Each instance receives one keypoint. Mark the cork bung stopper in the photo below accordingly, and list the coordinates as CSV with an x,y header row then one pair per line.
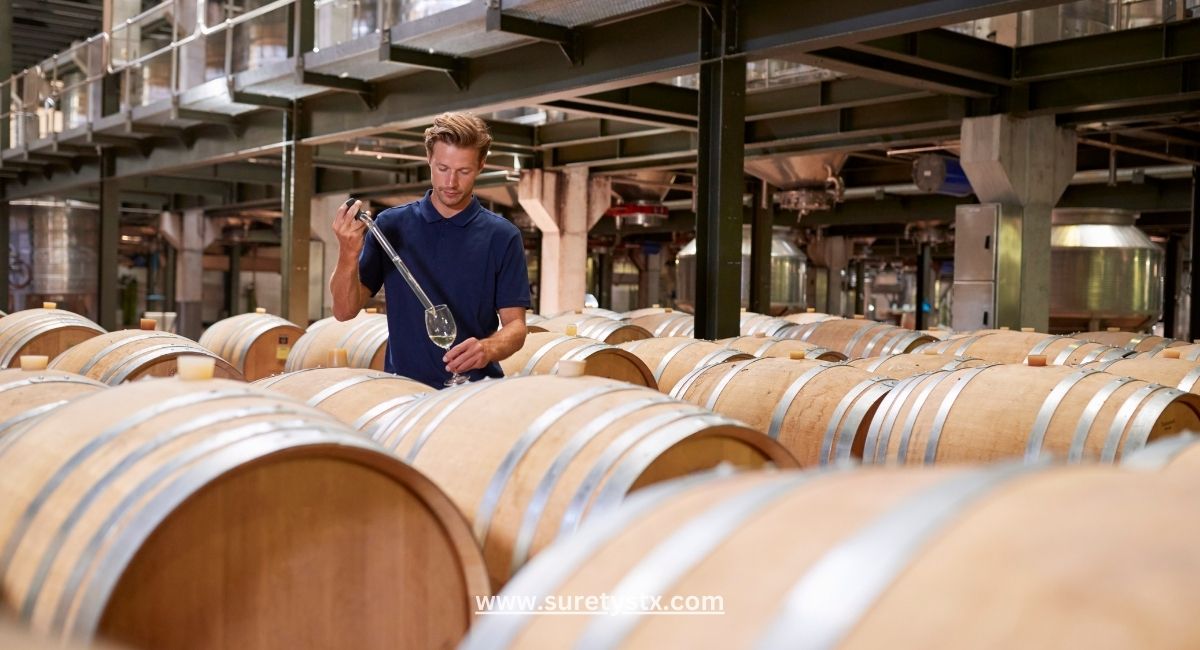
x,y
260,310
49,305
1036,360
570,368
1027,329
1170,354
1112,329
194,367
572,330
796,355
337,358
34,361
148,324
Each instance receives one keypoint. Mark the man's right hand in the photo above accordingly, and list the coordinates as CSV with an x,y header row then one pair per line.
x,y
348,229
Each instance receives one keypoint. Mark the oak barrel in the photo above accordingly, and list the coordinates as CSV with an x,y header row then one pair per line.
x,y
543,350
1014,411
26,394
752,324
129,355
528,458
997,346
600,328
860,337
765,346
672,358
257,344
364,337
900,366
198,514
1131,341
997,557
811,316
42,331
1184,375
667,323
359,397
818,410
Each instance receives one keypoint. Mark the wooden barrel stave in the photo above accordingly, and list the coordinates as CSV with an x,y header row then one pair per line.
x,y
819,411
1077,414
671,359
256,344
565,448
129,355
42,331
888,542
191,462
359,397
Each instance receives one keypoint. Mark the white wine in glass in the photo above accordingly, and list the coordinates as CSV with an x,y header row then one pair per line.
x,y
439,324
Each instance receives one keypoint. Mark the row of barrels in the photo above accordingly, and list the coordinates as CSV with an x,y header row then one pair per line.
x,y
351,481
265,499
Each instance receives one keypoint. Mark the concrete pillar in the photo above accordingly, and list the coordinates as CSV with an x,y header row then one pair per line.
x,y
323,210
1023,164
564,206
110,237
650,278
189,233
299,176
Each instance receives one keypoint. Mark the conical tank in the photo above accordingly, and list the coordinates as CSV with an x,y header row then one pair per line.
x,y
1104,272
788,266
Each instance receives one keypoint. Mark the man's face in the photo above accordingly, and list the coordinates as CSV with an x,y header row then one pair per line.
x,y
454,170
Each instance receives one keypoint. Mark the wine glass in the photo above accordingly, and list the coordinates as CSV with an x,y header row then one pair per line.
x,y
439,324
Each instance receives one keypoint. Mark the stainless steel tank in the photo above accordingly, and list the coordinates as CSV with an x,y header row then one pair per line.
x,y
56,251
788,266
1104,272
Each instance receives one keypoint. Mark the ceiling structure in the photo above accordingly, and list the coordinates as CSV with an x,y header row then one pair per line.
x,y
882,79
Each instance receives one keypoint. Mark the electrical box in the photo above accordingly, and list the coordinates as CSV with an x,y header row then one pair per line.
x,y
987,267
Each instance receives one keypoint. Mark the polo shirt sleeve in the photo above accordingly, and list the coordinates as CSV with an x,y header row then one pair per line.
x,y
512,278
371,261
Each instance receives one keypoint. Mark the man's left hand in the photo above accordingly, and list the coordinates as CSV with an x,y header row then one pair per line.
x,y
468,355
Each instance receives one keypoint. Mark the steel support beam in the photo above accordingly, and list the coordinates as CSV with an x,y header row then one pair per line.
x,y
947,51
762,224
1194,303
565,38
1169,42
1171,286
1109,89
719,162
110,238
923,267
298,180
233,299
900,73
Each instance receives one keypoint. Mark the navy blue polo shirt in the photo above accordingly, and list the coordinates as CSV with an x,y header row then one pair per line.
x,y
474,262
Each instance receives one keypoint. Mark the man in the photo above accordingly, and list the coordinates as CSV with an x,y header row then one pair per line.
x,y
462,255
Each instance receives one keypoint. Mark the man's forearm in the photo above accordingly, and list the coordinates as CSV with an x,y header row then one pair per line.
x,y
505,342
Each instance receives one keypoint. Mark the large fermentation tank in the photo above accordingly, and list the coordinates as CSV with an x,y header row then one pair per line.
x,y
788,266
60,252
1104,272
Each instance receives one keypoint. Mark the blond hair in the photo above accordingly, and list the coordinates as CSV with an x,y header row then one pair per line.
x,y
460,130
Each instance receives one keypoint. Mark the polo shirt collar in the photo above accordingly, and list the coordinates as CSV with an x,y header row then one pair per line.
x,y
462,219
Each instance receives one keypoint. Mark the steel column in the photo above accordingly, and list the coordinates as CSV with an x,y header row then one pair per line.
x,y
110,236
4,244
923,264
719,166
1193,303
860,281
233,300
760,249
1170,286
298,179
